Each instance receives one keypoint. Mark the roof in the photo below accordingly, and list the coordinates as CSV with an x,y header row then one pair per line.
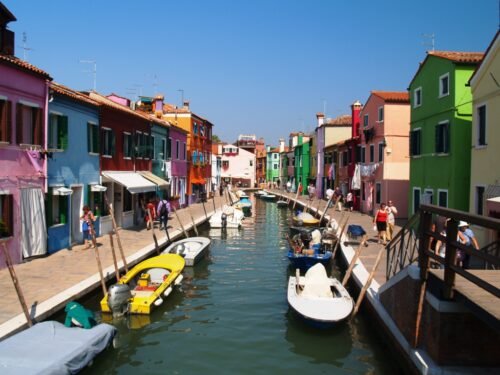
x,y
393,96
486,56
467,58
111,104
342,120
66,91
7,14
24,65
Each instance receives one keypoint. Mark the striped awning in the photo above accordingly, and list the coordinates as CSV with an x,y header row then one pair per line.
x,y
160,182
133,181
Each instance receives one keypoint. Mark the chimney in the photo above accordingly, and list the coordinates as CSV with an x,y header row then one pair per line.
x,y
321,118
185,105
6,36
158,106
282,144
355,110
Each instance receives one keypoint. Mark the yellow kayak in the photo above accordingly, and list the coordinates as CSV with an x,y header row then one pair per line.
x,y
143,286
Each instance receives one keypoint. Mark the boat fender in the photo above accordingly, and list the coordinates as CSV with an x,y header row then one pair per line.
x,y
167,291
223,220
178,280
158,302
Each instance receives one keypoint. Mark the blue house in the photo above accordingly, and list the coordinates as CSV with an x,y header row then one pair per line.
x,y
73,166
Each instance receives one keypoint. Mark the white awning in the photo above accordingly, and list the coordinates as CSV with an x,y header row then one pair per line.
x,y
62,191
97,187
134,182
162,184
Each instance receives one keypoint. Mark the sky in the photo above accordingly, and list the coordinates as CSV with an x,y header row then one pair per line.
x,y
262,67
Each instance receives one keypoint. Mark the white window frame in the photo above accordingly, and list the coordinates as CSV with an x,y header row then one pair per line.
x,y
132,150
110,131
441,86
431,191
380,114
417,104
447,197
413,198
478,124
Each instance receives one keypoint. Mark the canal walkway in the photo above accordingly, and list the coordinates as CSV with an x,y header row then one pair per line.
x,y
49,283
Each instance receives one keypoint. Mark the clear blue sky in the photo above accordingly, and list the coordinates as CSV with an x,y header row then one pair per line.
x,y
261,67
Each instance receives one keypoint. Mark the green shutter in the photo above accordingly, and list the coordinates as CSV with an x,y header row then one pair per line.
x,y
62,133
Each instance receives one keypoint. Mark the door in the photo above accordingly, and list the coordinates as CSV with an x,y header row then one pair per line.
x,y
76,210
33,224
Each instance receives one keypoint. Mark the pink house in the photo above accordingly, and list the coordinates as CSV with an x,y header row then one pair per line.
x,y
23,121
384,154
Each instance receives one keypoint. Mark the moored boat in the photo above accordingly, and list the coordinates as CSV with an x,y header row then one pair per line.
x,y
305,219
282,203
321,300
227,217
303,257
191,249
144,285
268,197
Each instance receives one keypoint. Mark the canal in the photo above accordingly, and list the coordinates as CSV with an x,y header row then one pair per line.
x,y
231,316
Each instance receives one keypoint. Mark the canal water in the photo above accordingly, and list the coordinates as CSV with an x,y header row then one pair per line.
x,y
231,316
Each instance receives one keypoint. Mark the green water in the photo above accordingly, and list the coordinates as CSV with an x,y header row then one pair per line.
x,y
230,316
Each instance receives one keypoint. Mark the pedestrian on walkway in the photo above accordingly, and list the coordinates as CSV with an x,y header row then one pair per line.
x,y
392,211
470,241
163,211
311,190
150,214
87,222
338,197
349,201
288,186
380,220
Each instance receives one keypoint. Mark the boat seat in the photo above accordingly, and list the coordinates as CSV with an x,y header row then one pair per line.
x,y
157,275
317,283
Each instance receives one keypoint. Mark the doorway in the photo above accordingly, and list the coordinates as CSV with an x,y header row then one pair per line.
x,y
76,208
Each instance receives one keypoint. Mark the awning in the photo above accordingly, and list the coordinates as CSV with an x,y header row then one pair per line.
x,y
162,184
198,181
493,204
492,191
62,191
134,182
97,187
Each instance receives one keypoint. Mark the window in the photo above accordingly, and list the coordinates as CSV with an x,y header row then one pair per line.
x,y
442,138
6,215
108,142
417,97
363,154
163,149
416,199
58,132
358,154
251,163
344,158
428,197
479,199
415,142
150,146
372,153
139,144
275,156
275,166
378,192
444,85
128,146
195,128
184,156
177,150
57,208
481,126
349,153
365,121
442,198
153,147
127,200
225,164
5,120
381,152
92,138
169,148
29,125
380,114
363,191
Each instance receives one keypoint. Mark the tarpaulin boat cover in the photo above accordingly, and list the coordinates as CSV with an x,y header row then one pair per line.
x,y
51,348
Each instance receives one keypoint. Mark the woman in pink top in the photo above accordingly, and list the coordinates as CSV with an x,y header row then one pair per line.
x,y
380,220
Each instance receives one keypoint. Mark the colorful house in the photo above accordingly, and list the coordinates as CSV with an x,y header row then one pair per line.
x,y
302,157
440,134
237,166
73,173
23,120
260,172
272,164
177,165
384,164
484,193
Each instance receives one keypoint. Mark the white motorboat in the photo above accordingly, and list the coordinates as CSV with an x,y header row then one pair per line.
x,y
228,217
191,249
321,300
282,203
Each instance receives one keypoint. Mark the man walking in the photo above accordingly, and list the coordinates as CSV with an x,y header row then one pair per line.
x,y
163,210
391,219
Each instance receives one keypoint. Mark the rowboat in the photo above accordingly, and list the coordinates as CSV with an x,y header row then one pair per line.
x,y
227,217
282,203
143,286
303,260
268,197
321,300
191,249
305,219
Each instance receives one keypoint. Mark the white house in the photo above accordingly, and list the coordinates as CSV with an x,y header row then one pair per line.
x,y
238,166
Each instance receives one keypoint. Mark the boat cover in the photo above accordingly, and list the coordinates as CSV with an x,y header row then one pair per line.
x,y
51,348
317,283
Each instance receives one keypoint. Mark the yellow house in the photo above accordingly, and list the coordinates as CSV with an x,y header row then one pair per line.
x,y
485,155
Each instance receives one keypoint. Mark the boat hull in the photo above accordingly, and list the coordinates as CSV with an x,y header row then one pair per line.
x,y
304,262
191,249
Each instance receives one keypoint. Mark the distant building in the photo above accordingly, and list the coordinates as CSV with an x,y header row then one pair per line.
x,y
238,166
247,142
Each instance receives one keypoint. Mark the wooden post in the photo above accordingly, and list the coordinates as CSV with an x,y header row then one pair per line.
x,y
117,273
194,224
115,228
153,231
157,248
17,286
97,258
326,209
450,258
213,201
339,238
204,209
353,261
296,195
368,281
180,222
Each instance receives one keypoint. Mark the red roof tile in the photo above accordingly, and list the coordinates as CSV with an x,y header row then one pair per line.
x,y
343,120
393,96
66,91
24,65
460,57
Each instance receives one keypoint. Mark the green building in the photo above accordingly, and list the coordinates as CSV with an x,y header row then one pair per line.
x,y
272,164
440,130
302,154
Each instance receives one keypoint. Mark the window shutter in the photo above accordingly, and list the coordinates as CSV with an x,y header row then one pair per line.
x,y
19,123
436,139
446,138
89,138
52,123
96,140
62,133
38,130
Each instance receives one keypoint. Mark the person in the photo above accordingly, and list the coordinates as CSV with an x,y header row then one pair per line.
x,y
330,197
150,214
163,210
338,198
380,220
288,186
87,221
349,201
311,190
221,188
391,219
469,239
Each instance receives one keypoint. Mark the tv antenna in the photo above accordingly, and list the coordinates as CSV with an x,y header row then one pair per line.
x,y
25,46
429,40
94,70
136,90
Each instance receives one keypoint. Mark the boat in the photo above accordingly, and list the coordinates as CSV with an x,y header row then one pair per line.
x,y
304,262
305,219
244,204
142,288
306,259
191,249
50,347
282,203
260,193
227,217
321,300
268,197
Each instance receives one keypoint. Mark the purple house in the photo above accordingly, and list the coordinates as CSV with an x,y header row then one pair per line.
x,y
177,163
23,121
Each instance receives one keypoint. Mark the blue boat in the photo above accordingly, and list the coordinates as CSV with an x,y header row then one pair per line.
x,y
304,262
303,257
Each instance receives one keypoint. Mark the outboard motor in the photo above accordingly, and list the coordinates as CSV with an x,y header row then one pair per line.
x,y
118,297
223,218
